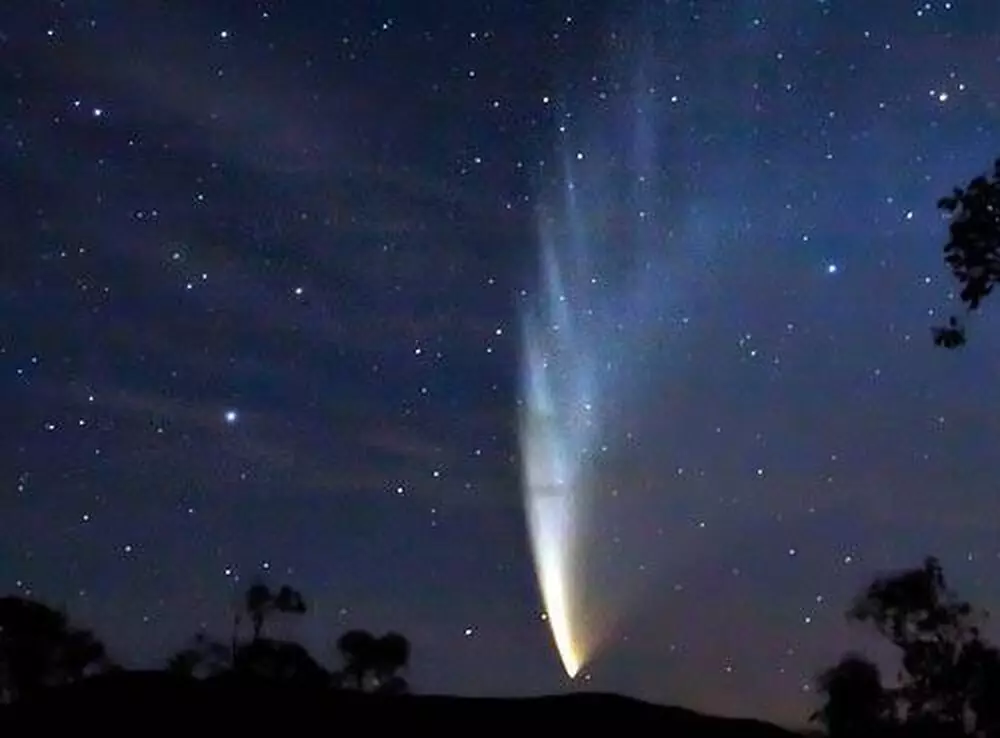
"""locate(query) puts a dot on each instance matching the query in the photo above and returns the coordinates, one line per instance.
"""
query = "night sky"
(265, 271)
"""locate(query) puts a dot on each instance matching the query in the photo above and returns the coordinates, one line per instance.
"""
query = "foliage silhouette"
(392, 654)
(372, 664)
(260, 657)
(857, 704)
(39, 648)
(357, 647)
(950, 336)
(261, 602)
(204, 658)
(973, 248)
(265, 659)
(263, 681)
(949, 680)
(282, 661)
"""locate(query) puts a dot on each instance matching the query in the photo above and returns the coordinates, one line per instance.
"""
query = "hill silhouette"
(55, 675)
(140, 701)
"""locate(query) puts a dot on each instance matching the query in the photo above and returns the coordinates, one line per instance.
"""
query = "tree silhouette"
(372, 664)
(277, 660)
(39, 648)
(949, 680)
(261, 602)
(857, 705)
(261, 657)
(205, 657)
(392, 654)
(973, 248)
(357, 648)
(917, 612)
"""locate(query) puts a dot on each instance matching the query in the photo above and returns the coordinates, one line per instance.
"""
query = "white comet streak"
(626, 243)
(556, 425)
(616, 232)
(600, 288)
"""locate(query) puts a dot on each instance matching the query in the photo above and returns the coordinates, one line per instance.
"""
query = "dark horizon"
(265, 275)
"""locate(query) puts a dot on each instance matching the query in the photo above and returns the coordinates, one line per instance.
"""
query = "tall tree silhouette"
(973, 248)
(949, 680)
(39, 648)
(261, 602)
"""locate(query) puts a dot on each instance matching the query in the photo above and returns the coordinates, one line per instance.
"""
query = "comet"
(607, 272)
(559, 424)
(552, 484)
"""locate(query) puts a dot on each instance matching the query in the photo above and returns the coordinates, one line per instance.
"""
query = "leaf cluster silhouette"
(972, 251)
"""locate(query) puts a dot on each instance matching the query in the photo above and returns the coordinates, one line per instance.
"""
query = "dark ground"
(157, 703)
